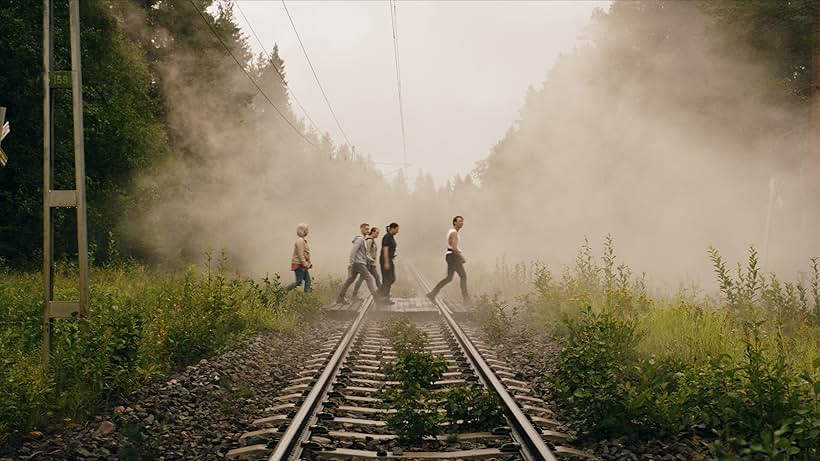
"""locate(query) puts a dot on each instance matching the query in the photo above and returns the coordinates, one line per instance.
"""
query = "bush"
(494, 317)
(473, 408)
(416, 417)
(595, 362)
(736, 373)
(416, 370)
(142, 324)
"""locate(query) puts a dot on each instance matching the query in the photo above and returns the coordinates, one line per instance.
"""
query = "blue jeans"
(302, 274)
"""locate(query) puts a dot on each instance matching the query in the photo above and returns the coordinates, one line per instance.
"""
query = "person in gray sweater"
(372, 256)
(357, 266)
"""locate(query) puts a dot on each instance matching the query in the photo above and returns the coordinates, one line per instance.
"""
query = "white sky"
(465, 65)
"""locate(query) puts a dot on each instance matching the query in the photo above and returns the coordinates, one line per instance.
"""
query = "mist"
(655, 130)
(664, 134)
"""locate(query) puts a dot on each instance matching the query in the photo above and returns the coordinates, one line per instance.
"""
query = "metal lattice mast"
(57, 81)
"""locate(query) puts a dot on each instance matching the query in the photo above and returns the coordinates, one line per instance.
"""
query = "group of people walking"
(377, 269)
(364, 257)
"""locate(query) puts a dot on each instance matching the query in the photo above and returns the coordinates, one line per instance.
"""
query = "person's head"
(393, 228)
(458, 222)
(365, 228)
(374, 231)
(302, 230)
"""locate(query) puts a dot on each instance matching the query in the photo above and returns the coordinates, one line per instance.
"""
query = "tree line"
(667, 115)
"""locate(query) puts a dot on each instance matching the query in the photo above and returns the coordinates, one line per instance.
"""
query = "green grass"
(741, 368)
(142, 324)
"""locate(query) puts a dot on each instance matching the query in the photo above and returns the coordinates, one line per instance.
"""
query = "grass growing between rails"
(423, 413)
(740, 371)
(142, 324)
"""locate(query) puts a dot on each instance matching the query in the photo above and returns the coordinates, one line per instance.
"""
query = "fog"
(669, 137)
(670, 146)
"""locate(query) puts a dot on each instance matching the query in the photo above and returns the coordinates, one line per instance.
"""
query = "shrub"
(595, 362)
(416, 417)
(142, 324)
(416, 370)
(494, 317)
(472, 408)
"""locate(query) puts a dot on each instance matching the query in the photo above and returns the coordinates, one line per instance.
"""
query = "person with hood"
(300, 262)
(357, 266)
(372, 256)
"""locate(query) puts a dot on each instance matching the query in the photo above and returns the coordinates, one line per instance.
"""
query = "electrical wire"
(315, 76)
(281, 77)
(244, 71)
(394, 24)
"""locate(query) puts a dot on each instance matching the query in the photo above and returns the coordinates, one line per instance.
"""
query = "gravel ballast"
(197, 413)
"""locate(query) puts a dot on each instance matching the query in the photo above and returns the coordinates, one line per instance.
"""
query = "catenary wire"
(244, 71)
(394, 24)
(281, 77)
(315, 76)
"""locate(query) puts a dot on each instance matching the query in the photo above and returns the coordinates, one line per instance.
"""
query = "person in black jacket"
(387, 261)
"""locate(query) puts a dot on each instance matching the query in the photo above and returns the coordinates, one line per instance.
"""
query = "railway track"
(333, 408)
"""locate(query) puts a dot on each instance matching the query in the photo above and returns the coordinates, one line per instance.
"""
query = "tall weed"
(142, 324)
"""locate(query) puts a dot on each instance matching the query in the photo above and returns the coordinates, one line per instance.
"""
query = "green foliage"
(124, 130)
(472, 408)
(607, 285)
(494, 317)
(142, 324)
(592, 366)
(420, 413)
(404, 336)
(416, 417)
(416, 370)
(733, 372)
(749, 292)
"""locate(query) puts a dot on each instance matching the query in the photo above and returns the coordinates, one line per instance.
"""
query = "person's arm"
(352, 257)
(370, 259)
(300, 253)
(386, 255)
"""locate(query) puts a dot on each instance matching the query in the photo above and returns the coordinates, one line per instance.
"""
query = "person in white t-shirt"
(455, 262)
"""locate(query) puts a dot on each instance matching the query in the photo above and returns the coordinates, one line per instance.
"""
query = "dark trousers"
(454, 265)
(388, 278)
(302, 275)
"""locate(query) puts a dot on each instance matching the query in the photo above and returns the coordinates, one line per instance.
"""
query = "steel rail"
(532, 444)
(287, 447)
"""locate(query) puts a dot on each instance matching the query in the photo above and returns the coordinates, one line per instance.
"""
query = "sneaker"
(431, 297)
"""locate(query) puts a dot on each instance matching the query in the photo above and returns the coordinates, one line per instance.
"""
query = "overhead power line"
(244, 71)
(315, 76)
(394, 23)
(281, 77)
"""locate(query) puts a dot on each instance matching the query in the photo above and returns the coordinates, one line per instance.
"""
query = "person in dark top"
(387, 261)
